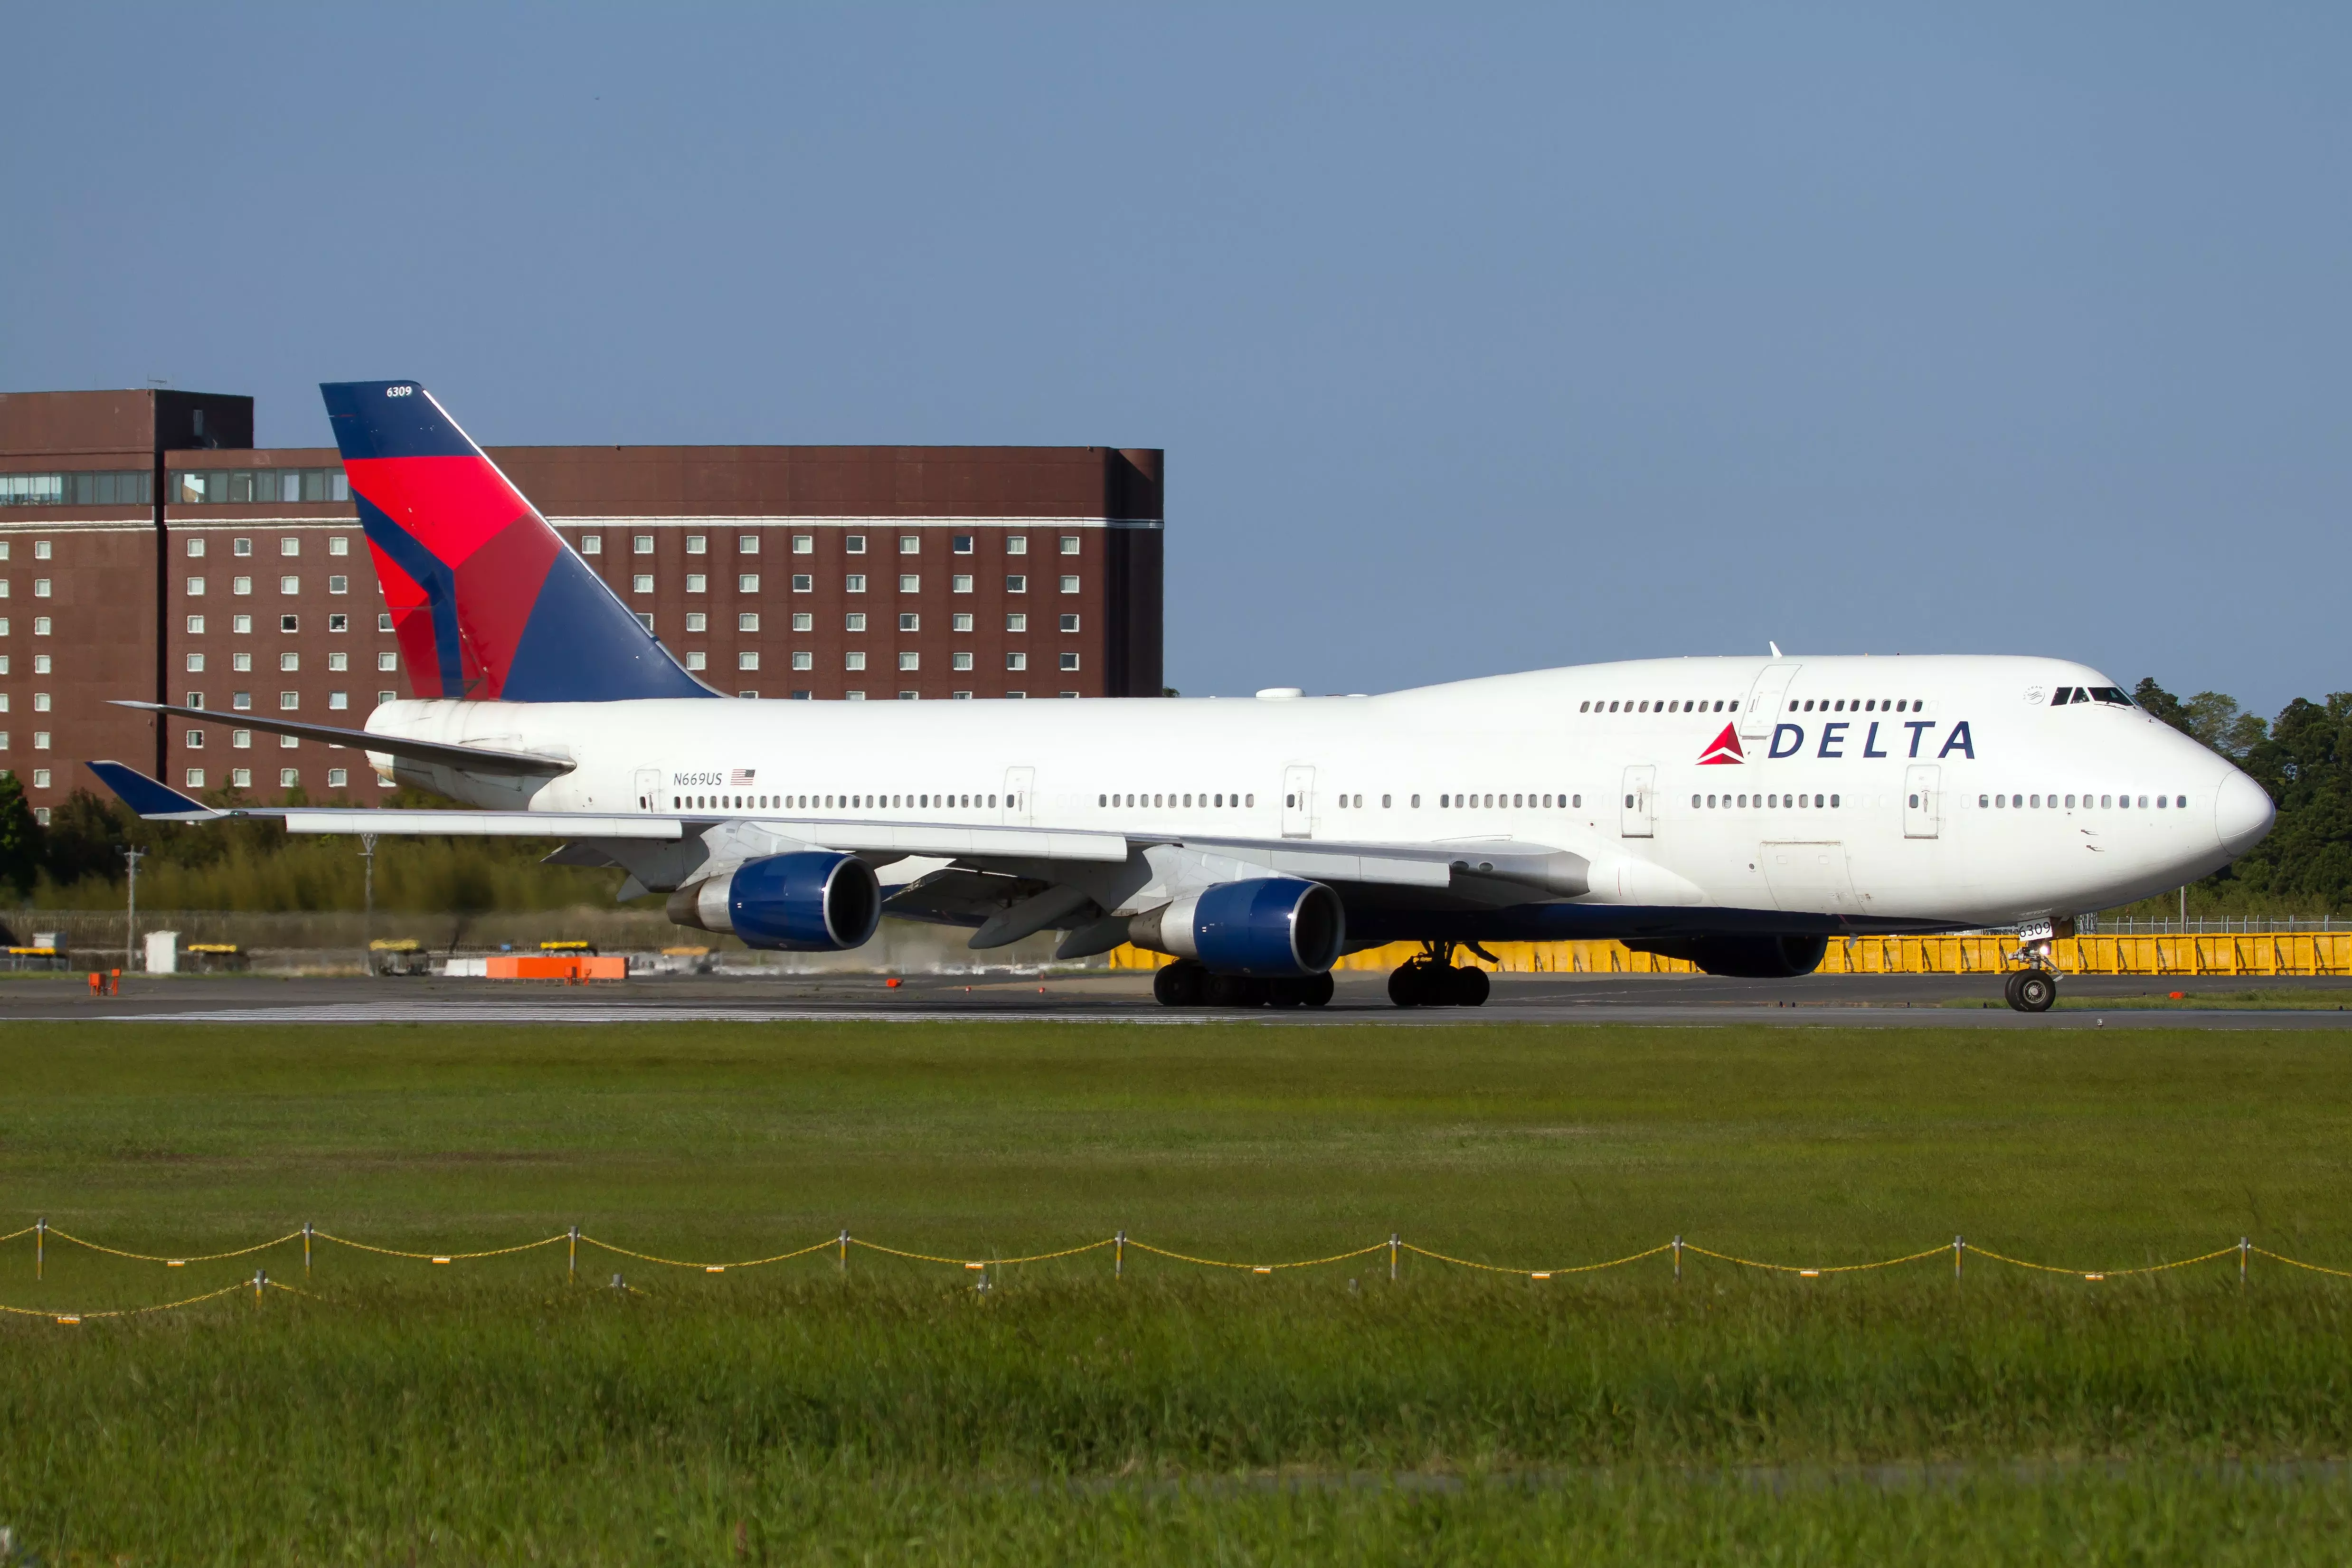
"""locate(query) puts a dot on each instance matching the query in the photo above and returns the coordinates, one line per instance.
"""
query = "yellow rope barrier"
(705, 1267)
(2298, 1263)
(985, 1262)
(1831, 1268)
(1976, 1252)
(1543, 1273)
(127, 1311)
(1256, 1267)
(442, 1257)
(175, 1262)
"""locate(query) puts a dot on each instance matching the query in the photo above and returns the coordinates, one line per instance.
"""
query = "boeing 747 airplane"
(1739, 813)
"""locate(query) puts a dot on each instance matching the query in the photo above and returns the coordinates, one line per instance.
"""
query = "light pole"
(367, 858)
(130, 916)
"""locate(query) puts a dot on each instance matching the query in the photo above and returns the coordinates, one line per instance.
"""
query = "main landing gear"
(1432, 981)
(1187, 983)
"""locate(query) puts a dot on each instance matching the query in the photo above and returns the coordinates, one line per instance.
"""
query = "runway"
(1908, 1001)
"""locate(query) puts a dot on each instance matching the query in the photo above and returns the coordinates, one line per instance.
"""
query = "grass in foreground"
(487, 1412)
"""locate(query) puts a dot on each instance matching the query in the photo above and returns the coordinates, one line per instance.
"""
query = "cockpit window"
(2113, 695)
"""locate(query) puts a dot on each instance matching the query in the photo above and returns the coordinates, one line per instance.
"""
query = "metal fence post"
(1678, 1260)
(306, 1249)
(2242, 1249)
(1958, 1247)
(843, 1262)
(259, 1280)
(1118, 1256)
(1392, 1257)
(41, 1247)
(572, 1256)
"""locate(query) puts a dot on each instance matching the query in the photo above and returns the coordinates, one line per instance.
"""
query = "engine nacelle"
(811, 902)
(1743, 957)
(1267, 927)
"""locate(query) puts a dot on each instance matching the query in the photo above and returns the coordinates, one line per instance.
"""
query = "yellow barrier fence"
(1959, 1250)
(2256, 954)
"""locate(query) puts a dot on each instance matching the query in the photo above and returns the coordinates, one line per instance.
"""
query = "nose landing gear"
(1432, 981)
(2034, 989)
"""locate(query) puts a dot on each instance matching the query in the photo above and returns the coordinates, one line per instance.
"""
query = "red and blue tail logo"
(1725, 749)
(486, 599)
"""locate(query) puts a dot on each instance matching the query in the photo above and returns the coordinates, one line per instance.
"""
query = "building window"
(1069, 623)
(188, 700)
(853, 696)
(41, 814)
(856, 582)
(337, 544)
(196, 550)
(646, 620)
(386, 659)
(962, 544)
(960, 621)
(240, 584)
(337, 585)
(40, 702)
(746, 582)
(339, 662)
(41, 550)
(643, 545)
(195, 588)
(747, 694)
(289, 623)
(195, 664)
(1016, 544)
(802, 583)
(697, 582)
(195, 626)
(698, 545)
(41, 744)
(290, 545)
(240, 547)
(959, 661)
(1017, 585)
(747, 660)
(289, 778)
(383, 621)
(910, 621)
(290, 662)
(642, 583)
(747, 544)
(804, 543)
(240, 662)
(960, 583)
(853, 660)
(1016, 621)
(911, 697)
(383, 697)
(1016, 662)
(961, 695)
(41, 664)
(855, 543)
(196, 739)
(804, 661)
(747, 621)
(339, 622)
(196, 778)
(290, 584)
(240, 778)
(40, 587)
(1069, 544)
(289, 700)
(697, 621)
(1069, 661)
(591, 544)
(337, 778)
(694, 662)
(240, 623)
(40, 626)
(910, 544)
(803, 621)
(910, 661)
(339, 700)
(909, 583)
(1069, 584)
(855, 621)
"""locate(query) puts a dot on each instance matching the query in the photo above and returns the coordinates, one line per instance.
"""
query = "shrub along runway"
(488, 1411)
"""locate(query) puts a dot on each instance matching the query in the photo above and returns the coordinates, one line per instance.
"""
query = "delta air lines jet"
(1739, 813)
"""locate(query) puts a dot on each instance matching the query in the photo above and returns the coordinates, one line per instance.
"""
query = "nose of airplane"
(2242, 814)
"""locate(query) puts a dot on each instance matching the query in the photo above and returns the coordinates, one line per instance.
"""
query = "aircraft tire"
(2031, 991)
(1468, 987)
(1408, 985)
(1179, 985)
(1316, 990)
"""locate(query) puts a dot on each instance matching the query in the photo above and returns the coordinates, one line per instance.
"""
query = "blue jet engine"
(811, 902)
(1268, 927)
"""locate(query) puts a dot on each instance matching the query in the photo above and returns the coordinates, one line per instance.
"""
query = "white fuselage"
(1934, 789)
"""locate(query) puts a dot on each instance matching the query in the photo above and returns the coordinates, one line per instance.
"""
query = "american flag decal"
(739, 778)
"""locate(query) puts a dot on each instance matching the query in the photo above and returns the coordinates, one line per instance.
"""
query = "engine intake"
(1743, 957)
(1268, 926)
(811, 902)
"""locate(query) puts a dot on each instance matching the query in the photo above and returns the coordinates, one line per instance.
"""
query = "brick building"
(148, 550)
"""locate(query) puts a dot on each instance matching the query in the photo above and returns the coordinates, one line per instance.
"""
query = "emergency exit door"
(649, 791)
(1923, 808)
(1638, 809)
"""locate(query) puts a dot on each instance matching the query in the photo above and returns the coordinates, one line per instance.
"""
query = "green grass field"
(488, 1411)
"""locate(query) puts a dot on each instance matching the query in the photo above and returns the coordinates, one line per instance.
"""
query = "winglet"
(149, 799)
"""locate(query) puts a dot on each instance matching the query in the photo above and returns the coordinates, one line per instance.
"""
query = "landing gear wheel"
(2031, 991)
(1467, 988)
(1236, 990)
(1179, 985)
(1409, 985)
(1316, 990)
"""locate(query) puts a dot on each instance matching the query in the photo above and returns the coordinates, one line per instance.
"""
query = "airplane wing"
(472, 759)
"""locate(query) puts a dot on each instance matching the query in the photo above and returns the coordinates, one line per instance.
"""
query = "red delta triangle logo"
(1725, 749)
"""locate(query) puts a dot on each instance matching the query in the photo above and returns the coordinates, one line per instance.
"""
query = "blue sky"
(1476, 342)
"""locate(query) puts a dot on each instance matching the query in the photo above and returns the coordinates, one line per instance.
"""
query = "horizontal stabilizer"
(148, 798)
(472, 759)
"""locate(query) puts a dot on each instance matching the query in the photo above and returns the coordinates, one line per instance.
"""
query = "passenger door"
(1020, 803)
(1298, 803)
(1765, 699)
(1639, 805)
(649, 791)
(1922, 811)
(1811, 878)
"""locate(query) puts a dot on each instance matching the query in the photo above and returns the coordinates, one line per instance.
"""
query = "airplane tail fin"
(486, 600)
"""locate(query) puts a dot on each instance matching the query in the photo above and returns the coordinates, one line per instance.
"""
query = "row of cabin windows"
(1678, 706)
(1857, 705)
(2103, 803)
(1801, 802)
(1213, 799)
(918, 801)
(1840, 705)
(805, 545)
